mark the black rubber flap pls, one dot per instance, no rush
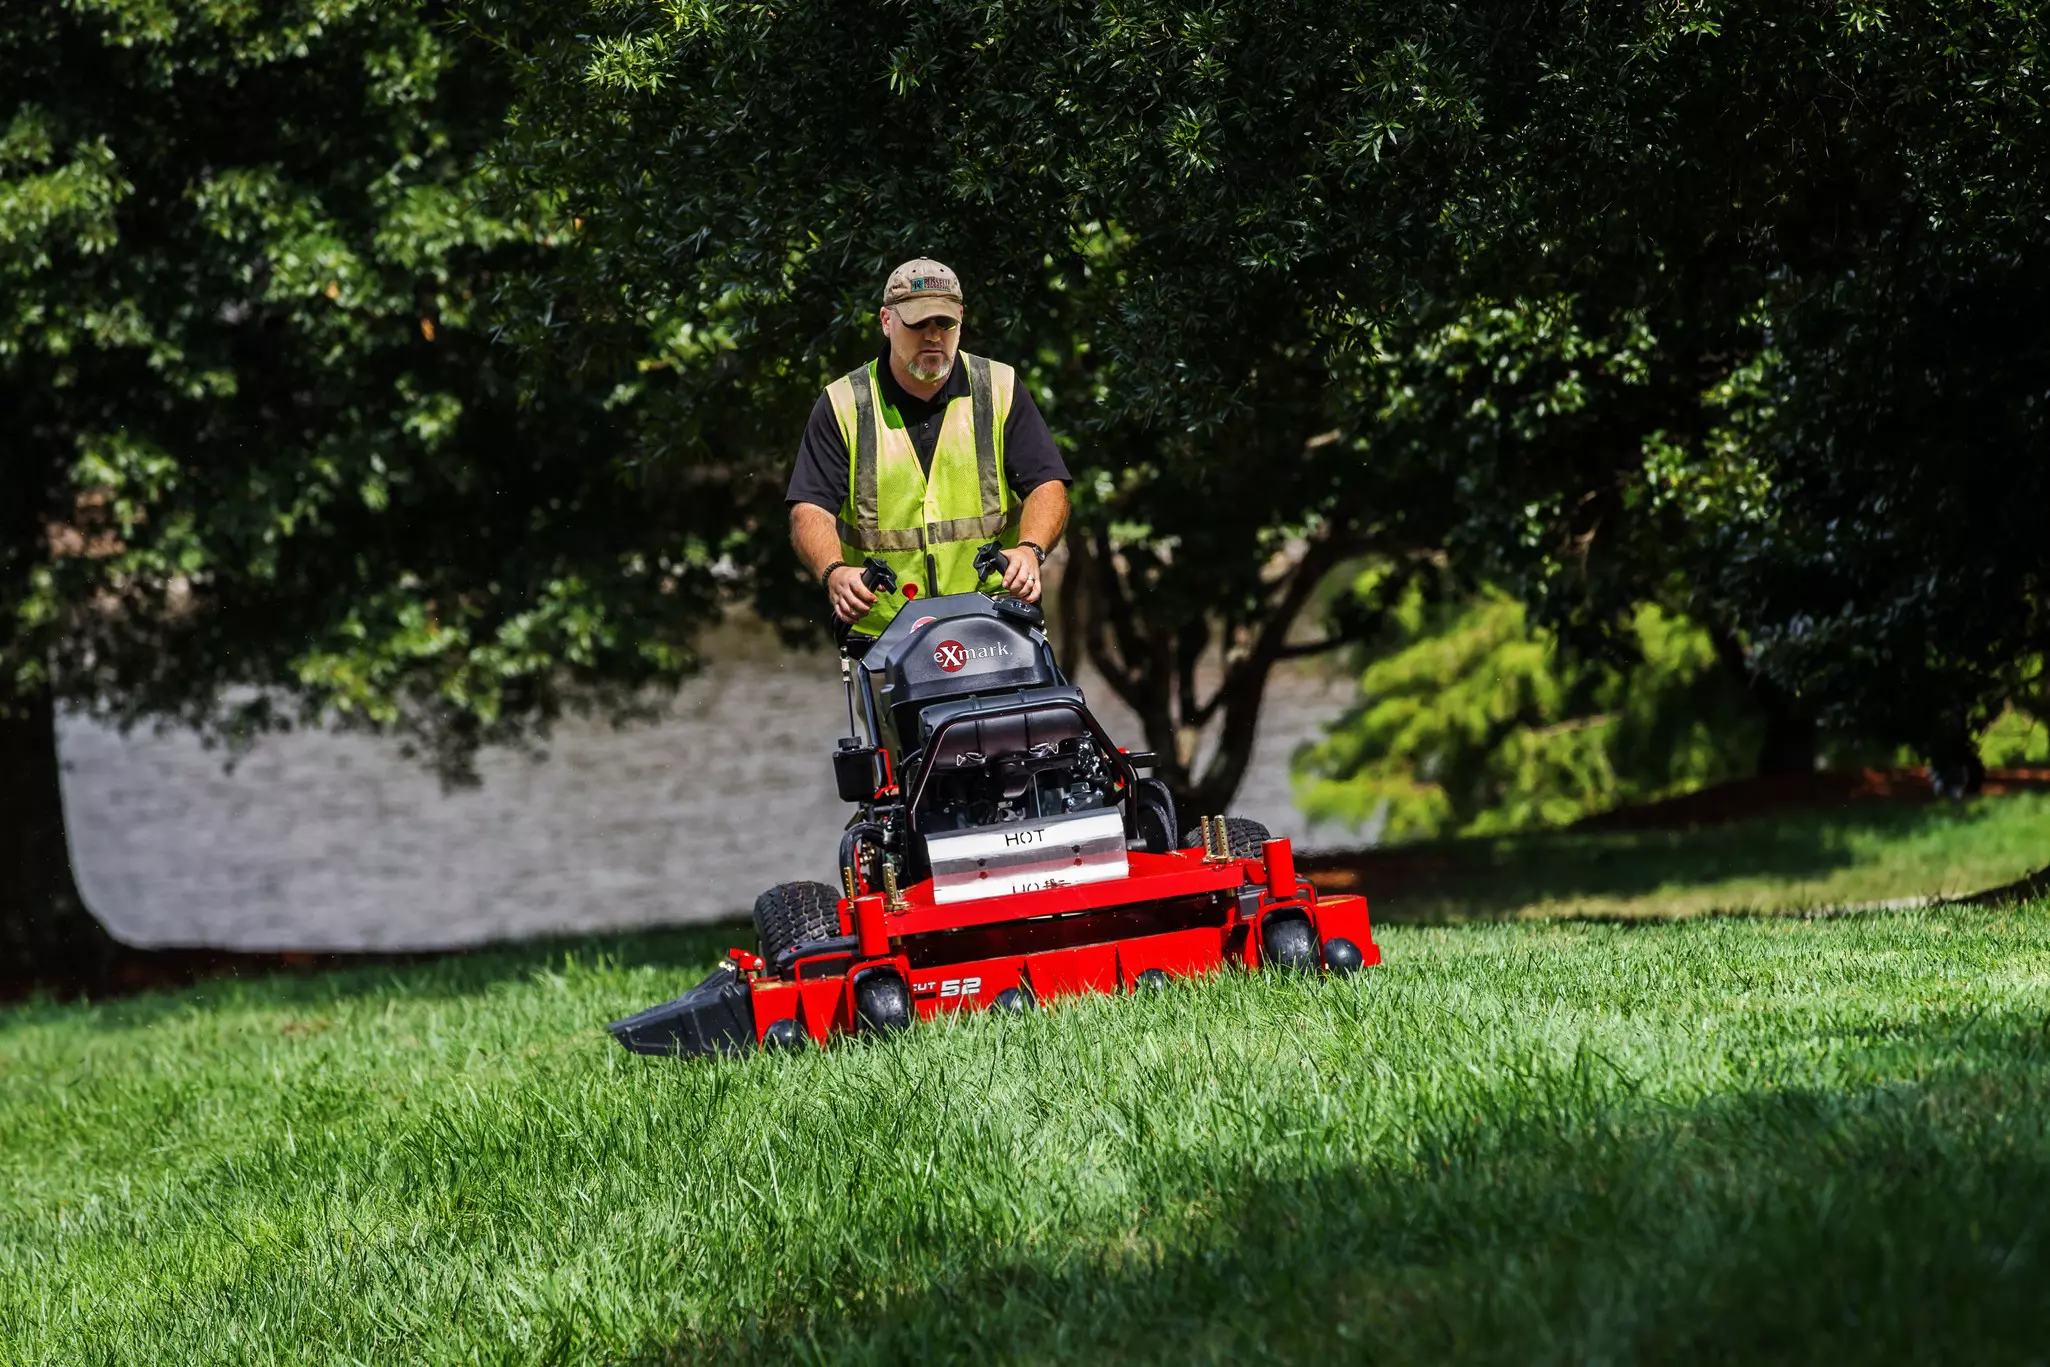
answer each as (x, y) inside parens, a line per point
(715, 1017)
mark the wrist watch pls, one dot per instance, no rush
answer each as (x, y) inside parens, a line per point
(1037, 550)
(826, 575)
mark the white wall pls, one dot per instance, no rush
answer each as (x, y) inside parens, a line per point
(323, 841)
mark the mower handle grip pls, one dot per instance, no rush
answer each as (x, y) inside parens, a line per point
(990, 559)
(877, 576)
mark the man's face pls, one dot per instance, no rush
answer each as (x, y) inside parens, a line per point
(925, 349)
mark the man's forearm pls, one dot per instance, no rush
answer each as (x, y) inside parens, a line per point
(815, 535)
(1044, 515)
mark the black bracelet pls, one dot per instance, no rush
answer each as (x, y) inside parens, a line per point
(826, 575)
(1037, 550)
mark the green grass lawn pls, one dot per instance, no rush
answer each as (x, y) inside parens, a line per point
(1868, 854)
(1713, 1139)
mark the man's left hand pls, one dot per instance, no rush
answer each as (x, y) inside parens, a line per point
(1021, 574)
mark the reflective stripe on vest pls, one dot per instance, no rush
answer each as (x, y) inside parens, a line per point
(923, 524)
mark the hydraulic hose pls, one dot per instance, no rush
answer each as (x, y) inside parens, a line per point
(850, 854)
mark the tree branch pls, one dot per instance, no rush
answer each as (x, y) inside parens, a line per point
(1244, 685)
(1094, 629)
(1303, 649)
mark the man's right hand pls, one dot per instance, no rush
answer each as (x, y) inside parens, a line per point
(850, 597)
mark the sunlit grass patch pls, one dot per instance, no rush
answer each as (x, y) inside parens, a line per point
(1718, 1139)
(1868, 855)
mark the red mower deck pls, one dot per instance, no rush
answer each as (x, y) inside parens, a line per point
(1177, 915)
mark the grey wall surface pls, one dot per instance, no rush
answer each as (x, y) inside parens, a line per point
(326, 841)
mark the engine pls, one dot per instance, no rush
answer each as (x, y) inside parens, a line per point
(1003, 781)
(1034, 760)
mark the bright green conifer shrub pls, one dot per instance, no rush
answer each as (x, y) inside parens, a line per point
(1470, 720)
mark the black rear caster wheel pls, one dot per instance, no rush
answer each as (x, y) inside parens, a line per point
(882, 1003)
(784, 1036)
(1288, 944)
(1012, 1001)
(1342, 956)
(1151, 980)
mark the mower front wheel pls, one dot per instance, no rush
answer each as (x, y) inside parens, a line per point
(1289, 944)
(1342, 956)
(784, 1035)
(882, 1003)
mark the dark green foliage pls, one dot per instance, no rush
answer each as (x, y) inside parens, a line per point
(267, 456)
(1809, 244)
(1160, 215)
(436, 365)
(1898, 572)
(1300, 283)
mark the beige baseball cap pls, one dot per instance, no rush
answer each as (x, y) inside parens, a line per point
(922, 288)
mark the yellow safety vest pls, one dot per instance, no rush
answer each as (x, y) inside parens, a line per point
(926, 528)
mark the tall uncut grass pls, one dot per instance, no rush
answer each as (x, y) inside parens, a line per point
(1716, 1139)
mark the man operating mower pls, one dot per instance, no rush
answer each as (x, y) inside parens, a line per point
(920, 457)
(1003, 850)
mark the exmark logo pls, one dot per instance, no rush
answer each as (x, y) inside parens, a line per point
(952, 655)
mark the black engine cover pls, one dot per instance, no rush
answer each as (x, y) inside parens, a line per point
(949, 657)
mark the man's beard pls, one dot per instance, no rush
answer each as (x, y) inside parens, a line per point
(924, 376)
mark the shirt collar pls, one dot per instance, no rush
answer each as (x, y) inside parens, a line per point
(956, 386)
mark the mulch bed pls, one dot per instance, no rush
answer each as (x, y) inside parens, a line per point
(1743, 799)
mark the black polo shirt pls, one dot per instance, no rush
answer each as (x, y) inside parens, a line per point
(820, 476)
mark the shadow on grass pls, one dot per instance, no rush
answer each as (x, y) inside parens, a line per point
(1895, 1221)
(1484, 878)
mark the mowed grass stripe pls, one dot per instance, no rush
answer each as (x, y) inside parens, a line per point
(1724, 1139)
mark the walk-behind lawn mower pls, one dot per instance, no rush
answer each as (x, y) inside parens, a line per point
(1004, 852)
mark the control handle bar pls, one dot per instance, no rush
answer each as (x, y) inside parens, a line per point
(877, 576)
(990, 560)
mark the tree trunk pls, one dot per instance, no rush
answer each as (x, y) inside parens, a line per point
(1791, 744)
(1792, 740)
(1151, 664)
(47, 937)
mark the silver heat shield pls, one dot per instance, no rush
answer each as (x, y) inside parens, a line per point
(1026, 856)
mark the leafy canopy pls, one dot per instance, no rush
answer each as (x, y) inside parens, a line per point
(267, 442)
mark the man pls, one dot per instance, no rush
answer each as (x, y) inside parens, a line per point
(920, 457)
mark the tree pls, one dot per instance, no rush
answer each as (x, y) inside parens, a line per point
(1793, 259)
(1470, 721)
(268, 460)
(1351, 278)
(1163, 215)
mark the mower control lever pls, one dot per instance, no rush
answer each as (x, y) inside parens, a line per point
(990, 559)
(877, 576)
